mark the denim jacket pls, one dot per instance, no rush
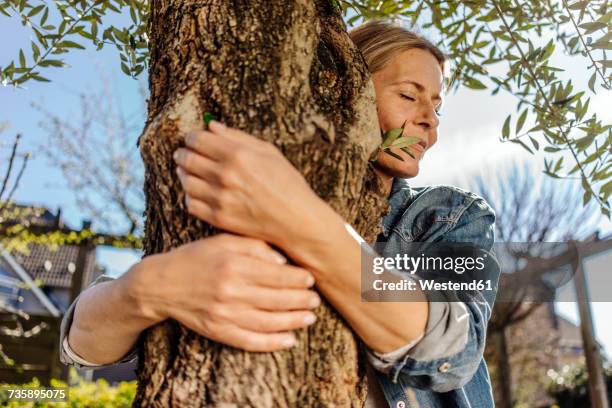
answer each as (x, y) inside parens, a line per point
(446, 367)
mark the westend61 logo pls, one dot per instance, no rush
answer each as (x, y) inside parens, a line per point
(403, 271)
(411, 264)
(400, 270)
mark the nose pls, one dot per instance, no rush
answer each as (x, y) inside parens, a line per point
(427, 118)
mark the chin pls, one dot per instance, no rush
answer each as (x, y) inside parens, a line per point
(396, 168)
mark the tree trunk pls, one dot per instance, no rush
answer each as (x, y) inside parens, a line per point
(287, 72)
(504, 370)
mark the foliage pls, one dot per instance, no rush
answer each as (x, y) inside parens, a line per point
(499, 45)
(98, 394)
(569, 386)
(393, 139)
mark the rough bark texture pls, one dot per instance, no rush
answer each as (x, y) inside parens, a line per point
(287, 72)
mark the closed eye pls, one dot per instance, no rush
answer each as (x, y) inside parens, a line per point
(438, 111)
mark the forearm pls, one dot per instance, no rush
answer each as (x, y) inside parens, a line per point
(336, 265)
(108, 319)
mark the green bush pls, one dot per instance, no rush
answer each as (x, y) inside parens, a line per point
(98, 394)
(570, 389)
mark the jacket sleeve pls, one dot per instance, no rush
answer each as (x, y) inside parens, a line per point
(452, 347)
(67, 355)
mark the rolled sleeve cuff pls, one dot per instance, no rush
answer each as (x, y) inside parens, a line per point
(446, 334)
(67, 355)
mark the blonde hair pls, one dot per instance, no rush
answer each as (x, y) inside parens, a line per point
(380, 40)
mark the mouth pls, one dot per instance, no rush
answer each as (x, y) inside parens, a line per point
(421, 146)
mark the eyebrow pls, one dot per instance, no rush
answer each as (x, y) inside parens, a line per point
(418, 86)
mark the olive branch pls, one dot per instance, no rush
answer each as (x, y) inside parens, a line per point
(393, 138)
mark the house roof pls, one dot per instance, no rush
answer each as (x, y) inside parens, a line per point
(29, 216)
(53, 266)
(56, 267)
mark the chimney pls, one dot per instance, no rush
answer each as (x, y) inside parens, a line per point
(59, 223)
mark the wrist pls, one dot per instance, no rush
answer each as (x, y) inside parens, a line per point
(139, 283)
(318, 242)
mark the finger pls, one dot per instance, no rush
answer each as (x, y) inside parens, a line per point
(235, 336)
(199, 189)
(210, 144)
(197, 164)
(262, 321)
(256, 342)
(252, 247)
(200, 209)
(279, 299)
(220, 129)
(263, 273)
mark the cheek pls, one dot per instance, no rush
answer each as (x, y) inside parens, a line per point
(393, 114)
(387, 117)
(433, 138)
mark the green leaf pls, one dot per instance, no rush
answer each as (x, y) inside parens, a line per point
(35, 51)
(559, 164)
(520, 142)
(390, 153)
(3, 10)
(535, 143)
(591, 27)
(125, 69)
(22, 59)
(602, 45)
(35, 10)
(407, 151)
(51, 63)
(405, 141)
(39, 78)
(390, 136)
(586, 197)
(208, 117)
(69, 44)
(521, 121)
(474, 83)
(579, 5)
(43, 18)
(606, 189)
(592, 82)
(506, 128)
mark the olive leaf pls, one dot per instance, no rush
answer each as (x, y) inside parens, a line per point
(393, 138)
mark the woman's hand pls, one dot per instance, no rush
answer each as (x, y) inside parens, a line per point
(244, 185)
(231, 289)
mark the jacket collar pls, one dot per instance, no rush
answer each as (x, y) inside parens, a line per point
(399, 199)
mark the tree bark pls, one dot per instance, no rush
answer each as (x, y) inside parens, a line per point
(286, 72)
(504, 370)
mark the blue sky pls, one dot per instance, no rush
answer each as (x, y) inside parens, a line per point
(468, 144)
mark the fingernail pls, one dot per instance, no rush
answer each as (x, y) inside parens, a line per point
(310, 319)
(310, 280)
(289, 341)
(315, 302)
(217, 124)
(175, 155)
(279, 258)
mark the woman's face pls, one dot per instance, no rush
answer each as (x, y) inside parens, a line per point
(409, 89)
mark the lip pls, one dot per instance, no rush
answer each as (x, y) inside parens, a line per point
(421, 146)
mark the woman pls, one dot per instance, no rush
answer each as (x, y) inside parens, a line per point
(252, 299)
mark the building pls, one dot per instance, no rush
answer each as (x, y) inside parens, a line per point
(41, 284)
